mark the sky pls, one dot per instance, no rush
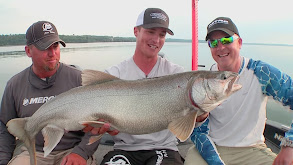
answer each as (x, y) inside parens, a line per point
(258, 21)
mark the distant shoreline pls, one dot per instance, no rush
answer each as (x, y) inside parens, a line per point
(19, 39)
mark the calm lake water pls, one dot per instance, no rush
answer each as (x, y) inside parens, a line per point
(100, 56)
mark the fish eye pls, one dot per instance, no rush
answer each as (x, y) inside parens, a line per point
(223, 77)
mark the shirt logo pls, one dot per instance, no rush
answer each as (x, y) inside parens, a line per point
(161, 155)
(37, 100)
(118, 160)
(159, 16)
(48, 28)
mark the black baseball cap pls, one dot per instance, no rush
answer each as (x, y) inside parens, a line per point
(42, 34)
(153, 18)
(224, 24)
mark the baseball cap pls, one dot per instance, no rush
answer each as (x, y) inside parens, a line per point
(42, 34)
(224, 24)
(154, 18)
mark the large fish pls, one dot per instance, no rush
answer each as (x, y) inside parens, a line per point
(134, 107)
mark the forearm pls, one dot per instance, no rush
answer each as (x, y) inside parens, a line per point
(85, 150)
(205, 145)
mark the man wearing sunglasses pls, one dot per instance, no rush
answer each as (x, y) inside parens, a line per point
(233, 132)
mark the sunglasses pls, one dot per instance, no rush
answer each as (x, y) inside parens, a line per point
(224, 41)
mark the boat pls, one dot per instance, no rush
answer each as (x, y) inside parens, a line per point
(274, 132)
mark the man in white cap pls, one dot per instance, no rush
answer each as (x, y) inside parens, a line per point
(159, 147)
(28, 90)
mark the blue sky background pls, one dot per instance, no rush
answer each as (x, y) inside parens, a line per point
(258, 21)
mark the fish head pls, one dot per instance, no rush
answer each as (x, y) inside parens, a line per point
(212, 88)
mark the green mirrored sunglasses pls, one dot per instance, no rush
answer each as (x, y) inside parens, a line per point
(224, 41)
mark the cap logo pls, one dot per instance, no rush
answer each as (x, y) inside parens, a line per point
(159, 16)
(48, 28)
(217, 22)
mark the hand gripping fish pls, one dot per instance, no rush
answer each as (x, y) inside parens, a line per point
(131, 106)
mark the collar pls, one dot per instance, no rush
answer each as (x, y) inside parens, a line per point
(39, 83)
(242, 64)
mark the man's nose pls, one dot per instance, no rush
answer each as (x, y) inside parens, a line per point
(51, 51)
(220, 46)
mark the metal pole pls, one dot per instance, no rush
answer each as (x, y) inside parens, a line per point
(194, 64)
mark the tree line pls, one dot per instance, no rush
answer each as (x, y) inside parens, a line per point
(19, 39)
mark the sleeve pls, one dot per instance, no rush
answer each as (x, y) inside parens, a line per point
(179, 69)
(85, 150)
(273, 82)
(205, 145)
(114, 70)
(277, 84)
(7, 112)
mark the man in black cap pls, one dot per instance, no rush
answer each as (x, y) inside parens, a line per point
(28, 90)
(233, 132)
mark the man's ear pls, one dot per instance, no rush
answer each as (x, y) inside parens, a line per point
(240, 42)
(135, 31)
(28, 51)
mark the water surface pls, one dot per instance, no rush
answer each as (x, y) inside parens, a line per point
(100, 56)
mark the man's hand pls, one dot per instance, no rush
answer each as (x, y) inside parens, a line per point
(73, 159)
(202, 117)
(101, 130)
(285, 157)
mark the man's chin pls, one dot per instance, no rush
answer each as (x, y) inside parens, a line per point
(51, 67)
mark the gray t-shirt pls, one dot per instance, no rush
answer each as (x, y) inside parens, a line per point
(24, 94)
(164, 139)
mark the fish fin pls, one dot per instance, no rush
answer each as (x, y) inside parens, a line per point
(95, 77)
(52, 135)
(94, 139)
(183, 126)
(97, 124)
(16, 128)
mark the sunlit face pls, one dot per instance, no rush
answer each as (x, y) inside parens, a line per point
(226, 56)
(44, 62)
(149, 41)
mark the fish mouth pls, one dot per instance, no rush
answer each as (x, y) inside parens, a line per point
(232, 87)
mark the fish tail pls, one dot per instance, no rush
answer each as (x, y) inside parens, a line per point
(16, 128)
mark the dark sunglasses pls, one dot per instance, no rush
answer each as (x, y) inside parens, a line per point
(224, 41)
